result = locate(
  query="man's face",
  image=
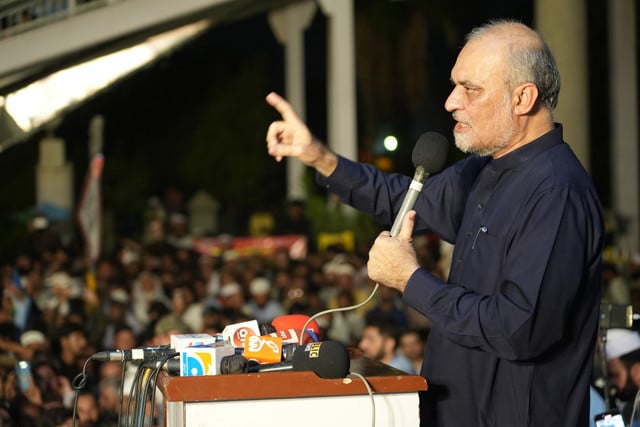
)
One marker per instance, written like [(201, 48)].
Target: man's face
[(88, 412), (480, 101), (620, 378), (75, 342), (412, 346), (372, 343), (124, 339)]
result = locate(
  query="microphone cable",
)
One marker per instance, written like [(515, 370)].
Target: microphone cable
[(334, 310), (134, 393), (370, 392), (154, 375), (123, 366), (78, 383), (143, 387)]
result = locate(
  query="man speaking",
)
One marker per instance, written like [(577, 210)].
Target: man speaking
[(514, 327)]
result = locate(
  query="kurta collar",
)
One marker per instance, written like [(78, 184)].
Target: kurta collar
[(530, 150)]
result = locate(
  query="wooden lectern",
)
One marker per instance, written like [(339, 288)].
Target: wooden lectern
[(287, 397)]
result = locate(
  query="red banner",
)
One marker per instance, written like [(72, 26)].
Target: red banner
[(246, 246)]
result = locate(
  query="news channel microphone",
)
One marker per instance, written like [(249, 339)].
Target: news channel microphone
[(327, 359), (292, 327), (236, 333), (145, 354)]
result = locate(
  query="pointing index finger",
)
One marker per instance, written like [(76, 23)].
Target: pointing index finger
[(282, 106)]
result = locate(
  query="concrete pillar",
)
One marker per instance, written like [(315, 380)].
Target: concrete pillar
[(288, 25), (563, 26), (341, 80), (623, 78), (54, 175)]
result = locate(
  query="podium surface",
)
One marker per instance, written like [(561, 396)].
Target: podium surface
[(269, 398)]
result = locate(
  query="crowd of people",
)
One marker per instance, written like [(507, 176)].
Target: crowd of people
[(55, 315)]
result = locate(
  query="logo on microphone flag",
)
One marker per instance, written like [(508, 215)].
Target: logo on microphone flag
[(236, 333), (203, 360), (263, 349)]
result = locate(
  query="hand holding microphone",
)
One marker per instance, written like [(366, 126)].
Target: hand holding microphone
[(392, 258)]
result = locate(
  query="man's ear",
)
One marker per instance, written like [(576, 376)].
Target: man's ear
[(524, 98)]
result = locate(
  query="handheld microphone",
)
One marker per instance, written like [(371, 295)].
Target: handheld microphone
[(429, 156), (147, 354), (327, 359)]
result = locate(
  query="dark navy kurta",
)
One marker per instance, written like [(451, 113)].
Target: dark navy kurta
[(514, 330)]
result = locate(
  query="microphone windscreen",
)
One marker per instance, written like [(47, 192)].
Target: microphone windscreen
[(234, 364), (267, 328), (430, 152), (289, 327), (328, 359)]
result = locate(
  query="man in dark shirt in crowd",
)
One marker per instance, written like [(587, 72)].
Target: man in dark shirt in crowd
[(513, 330)]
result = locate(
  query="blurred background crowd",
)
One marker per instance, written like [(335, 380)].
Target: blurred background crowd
[(57, 310)]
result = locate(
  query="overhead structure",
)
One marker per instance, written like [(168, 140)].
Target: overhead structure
[(89, 47)]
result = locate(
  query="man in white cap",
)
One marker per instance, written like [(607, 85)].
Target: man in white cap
[(260, 305), (623, 365)]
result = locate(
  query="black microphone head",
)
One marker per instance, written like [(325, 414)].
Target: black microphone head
[(430, 152), (328, 359), (234, 364), (266, 329)]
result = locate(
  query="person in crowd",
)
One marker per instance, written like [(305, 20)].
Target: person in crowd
[(346, 326), (117, 314), (380, 342), (30, 342), (109, 404), (295, 221), (622, 349), (25, 312), (260, 305), (70, 351), (616, 288), (147, 288), (597, 405), (521, 302), (88, 412), (185, 305), (179, 235), (232, 297), (389, 303), (168, 325), (413, 343)]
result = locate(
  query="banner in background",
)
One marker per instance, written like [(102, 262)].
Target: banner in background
[(90, 208), (246, 246)]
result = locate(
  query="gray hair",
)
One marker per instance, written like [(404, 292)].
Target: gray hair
[(530, 60)]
